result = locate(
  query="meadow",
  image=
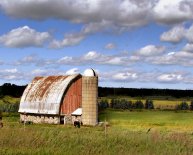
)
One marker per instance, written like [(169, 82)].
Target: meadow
[(127, 132)]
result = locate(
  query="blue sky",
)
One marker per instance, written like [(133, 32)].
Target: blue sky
[(130, 43)]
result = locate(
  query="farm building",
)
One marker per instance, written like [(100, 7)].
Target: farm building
[(61, 99)]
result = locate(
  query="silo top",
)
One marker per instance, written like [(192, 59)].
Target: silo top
[(89, 72)]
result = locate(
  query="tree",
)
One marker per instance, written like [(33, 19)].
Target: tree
[(103, 104), (149, 104), (191, 105), (138, 105), (182, 106)]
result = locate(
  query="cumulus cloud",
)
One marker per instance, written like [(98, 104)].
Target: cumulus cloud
[(81, 11), (11, 74), (174, 11), (30, 59), (24, 37), (116, 12), (72, 71), (170, 77), (110, 46), (180, 58), (150, 50), (188, 34), (69, 40), (126, 76), (177, 33), (75, 38), (95, 15), (91, 55), (188, 47)]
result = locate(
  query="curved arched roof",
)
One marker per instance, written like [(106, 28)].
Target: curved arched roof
[(44, 94)]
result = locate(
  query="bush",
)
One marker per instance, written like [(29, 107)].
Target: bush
[(138, 105), (182, 106), (103, 104), (191, 105), (116, 104), (149, 104), (121, 104), (125, 104)]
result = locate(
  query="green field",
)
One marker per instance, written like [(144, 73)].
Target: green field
[(126, 133)]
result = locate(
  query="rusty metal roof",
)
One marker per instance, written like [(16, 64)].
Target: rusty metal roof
[(44, 94)]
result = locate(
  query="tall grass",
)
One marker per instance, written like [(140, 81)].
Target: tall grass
[(119, 139)]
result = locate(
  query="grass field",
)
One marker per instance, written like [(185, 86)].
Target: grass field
[(127, 133)]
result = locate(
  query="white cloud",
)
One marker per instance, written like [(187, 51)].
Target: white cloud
[(126, 76), (72, 71), (14, 70), (170, 77), (95, 15), (150, 50), (189, 35), (175, 35), (139, 75), (75, 38), (91, 11), (38, 72), (69, 40), (173, 11), (116, 12), (11, 74), (180, 58), (24, 37), (188, 47), (115, 61), (92, 55), (65, 60), (27, 60), (110, 46)]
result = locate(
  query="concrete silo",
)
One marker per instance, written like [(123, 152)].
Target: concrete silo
[(89, 98)]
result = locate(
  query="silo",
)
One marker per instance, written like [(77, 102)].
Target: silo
[(89, 98)]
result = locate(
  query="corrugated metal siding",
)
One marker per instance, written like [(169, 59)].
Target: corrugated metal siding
[(73, 98), (44, 94)]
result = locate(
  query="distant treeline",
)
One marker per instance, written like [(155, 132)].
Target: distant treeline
[(143, 92), (11, 90), (17, 91)]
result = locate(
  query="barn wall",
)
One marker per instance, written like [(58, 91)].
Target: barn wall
[(35, 118), (73, 97)]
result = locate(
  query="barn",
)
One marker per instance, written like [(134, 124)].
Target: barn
[(61, 99)]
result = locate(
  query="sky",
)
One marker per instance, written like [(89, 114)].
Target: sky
[(130, 43)]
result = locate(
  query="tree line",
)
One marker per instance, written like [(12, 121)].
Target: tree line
[(125, 104), (17, 91), (11, 90), (142, 92)]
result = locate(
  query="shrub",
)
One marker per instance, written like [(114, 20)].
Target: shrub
[(149, 104), (125, 104), (116, 104), (121, 104), (191, 105), (103, 104), (182, 106), (138, 105)]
